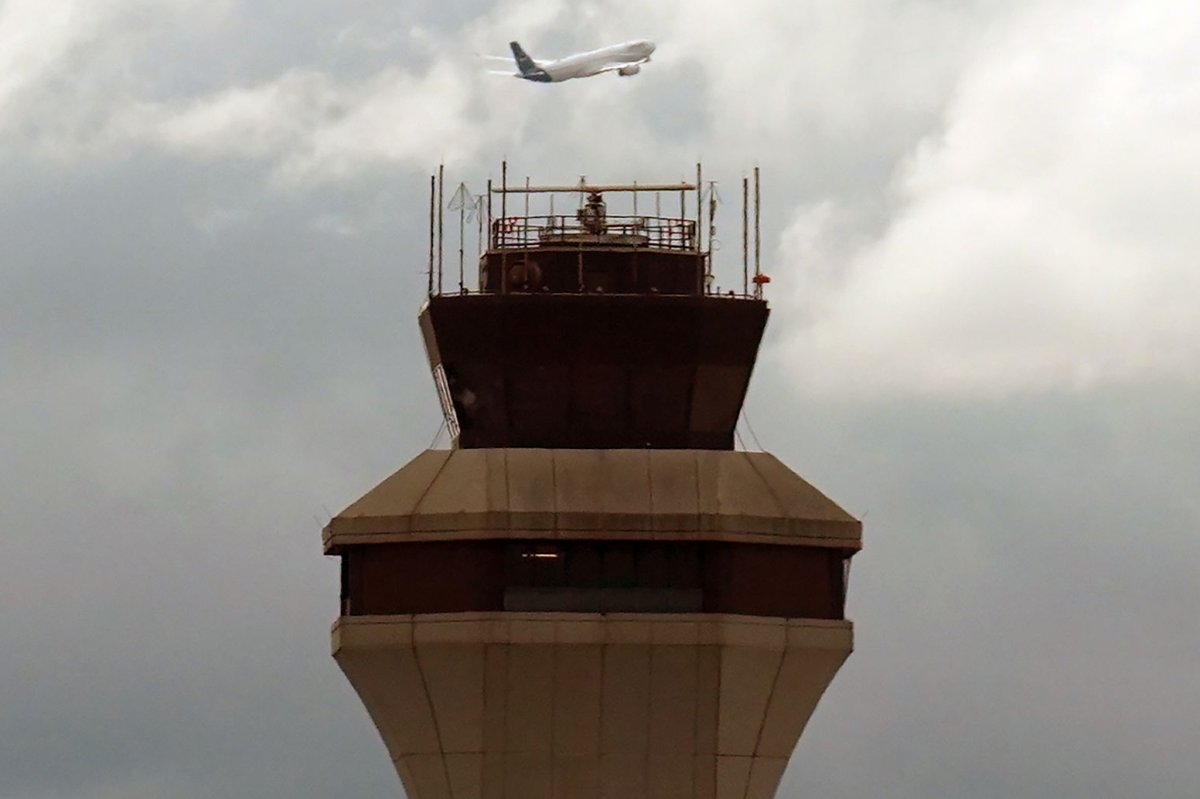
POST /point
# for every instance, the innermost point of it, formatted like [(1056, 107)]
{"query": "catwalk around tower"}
[(592, 594)]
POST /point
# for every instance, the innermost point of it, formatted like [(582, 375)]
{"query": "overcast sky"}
[(981, 224)]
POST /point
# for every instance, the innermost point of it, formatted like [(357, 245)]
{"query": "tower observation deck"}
[(591, 594)]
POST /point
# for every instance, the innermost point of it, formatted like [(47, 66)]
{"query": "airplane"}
[(625, 59)]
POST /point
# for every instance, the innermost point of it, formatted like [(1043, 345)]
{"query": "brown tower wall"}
[(592, 371), (570, 270)]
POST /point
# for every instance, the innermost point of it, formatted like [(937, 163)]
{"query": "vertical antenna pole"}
[(745, 237), (525, 224), (503, 190), (479, 222), (486, 260), (699, 233), (432, 200), (712, 221), (757, 237), (503, 223), (682, 222), (635, 194), (462, 217), (579, 243), (441, 186)]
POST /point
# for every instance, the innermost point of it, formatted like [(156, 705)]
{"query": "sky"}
[(979, 220)]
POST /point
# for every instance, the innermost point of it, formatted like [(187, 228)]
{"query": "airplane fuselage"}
[(583, 65), (624, 58)]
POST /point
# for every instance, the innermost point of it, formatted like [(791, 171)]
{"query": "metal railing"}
[(664, 233)]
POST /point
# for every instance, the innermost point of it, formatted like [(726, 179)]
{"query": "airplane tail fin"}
[(524, 62)]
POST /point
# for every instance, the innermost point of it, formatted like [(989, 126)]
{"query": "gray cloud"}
[(213, 220)]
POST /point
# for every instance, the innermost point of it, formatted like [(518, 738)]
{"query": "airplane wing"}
[(613, 66)]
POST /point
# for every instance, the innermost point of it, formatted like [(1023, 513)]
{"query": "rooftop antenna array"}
[(515, 238)]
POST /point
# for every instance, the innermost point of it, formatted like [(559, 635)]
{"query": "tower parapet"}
[(592, 595)]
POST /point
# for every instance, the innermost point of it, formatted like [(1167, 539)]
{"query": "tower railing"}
[(663, 233)]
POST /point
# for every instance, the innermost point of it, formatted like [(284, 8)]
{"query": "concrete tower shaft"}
[(592, 595), (590, 705)]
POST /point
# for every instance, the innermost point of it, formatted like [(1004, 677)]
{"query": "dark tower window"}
[(594, 577)]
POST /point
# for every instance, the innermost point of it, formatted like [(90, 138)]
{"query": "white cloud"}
[(70, 68), (314, 128), (34, 35), (396, 117), (246, 122), (79, 82), (1044, 239)]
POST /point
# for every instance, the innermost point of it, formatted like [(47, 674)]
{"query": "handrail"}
[(584, 188), (668, 233)]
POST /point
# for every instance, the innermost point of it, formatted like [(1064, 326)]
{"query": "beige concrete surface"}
[(598, 494), (589, 706)]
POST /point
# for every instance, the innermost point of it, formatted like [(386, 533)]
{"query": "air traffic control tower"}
[(592, 594)]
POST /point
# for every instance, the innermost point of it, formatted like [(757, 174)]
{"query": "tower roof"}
[(595, 494)]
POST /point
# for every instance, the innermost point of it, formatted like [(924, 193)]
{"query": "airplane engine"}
[(632, 69)]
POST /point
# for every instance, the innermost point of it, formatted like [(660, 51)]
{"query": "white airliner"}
[(624, 59)]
